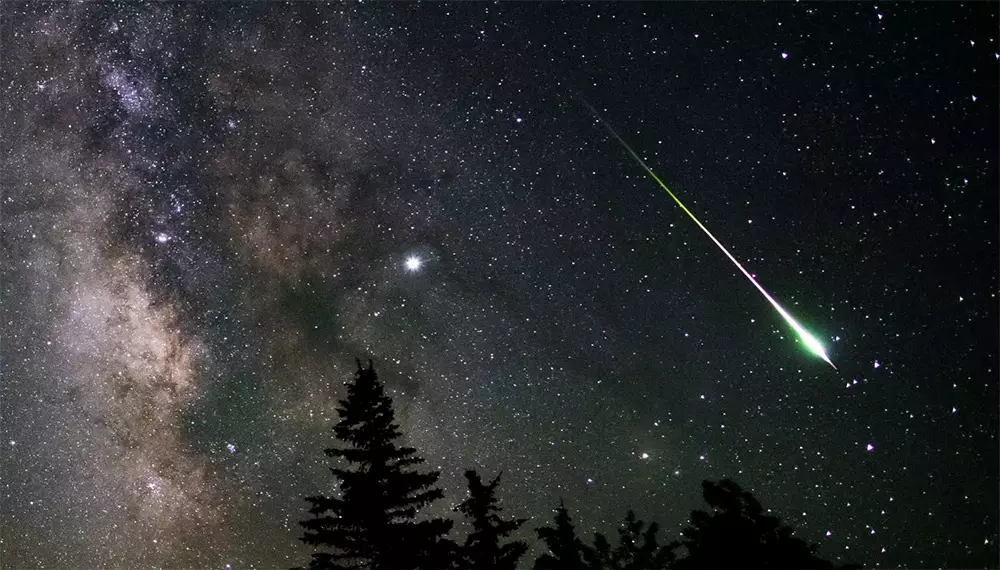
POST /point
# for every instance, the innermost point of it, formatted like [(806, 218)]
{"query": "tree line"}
[(371, 521)]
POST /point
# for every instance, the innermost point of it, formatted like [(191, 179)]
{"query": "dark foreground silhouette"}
[(738, 534), (372, 522)]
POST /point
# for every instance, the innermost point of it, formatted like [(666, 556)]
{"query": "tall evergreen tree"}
[(636, 550), (738, 534), (371, 523), (482, 549), (566, 550)]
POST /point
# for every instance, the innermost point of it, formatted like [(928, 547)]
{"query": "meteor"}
[(811, 342)]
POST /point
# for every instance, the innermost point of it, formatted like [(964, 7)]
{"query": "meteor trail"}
[(811, 342)]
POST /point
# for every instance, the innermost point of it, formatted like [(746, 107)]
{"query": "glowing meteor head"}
[(814, 346)]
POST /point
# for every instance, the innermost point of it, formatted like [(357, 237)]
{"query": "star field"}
[(209, 210)]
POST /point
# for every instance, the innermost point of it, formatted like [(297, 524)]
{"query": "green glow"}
[(811, 342)]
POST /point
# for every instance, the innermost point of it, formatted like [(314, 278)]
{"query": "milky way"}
[(210, 211)]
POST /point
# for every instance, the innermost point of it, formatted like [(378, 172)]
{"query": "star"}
[(413, 263)]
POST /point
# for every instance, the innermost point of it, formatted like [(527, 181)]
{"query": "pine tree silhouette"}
[(482, 548), (631, 554), (371, 522), (737, 534), (599, 556), (565, 549)]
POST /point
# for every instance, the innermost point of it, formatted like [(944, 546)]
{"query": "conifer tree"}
[(599, 557), (631, 555), (738, 534), (566, 551), (371, 522), (482, 549), (636, 550)]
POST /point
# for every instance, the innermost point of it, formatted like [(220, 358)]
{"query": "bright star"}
[(413, 263), (162, 238)]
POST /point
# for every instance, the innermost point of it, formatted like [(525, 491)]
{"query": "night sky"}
[(209, 211)]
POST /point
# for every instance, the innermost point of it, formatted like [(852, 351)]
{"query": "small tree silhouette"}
[(599, 556), (737, 534), (630, 554), (565, 549), (371, 522), (482, 549)]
